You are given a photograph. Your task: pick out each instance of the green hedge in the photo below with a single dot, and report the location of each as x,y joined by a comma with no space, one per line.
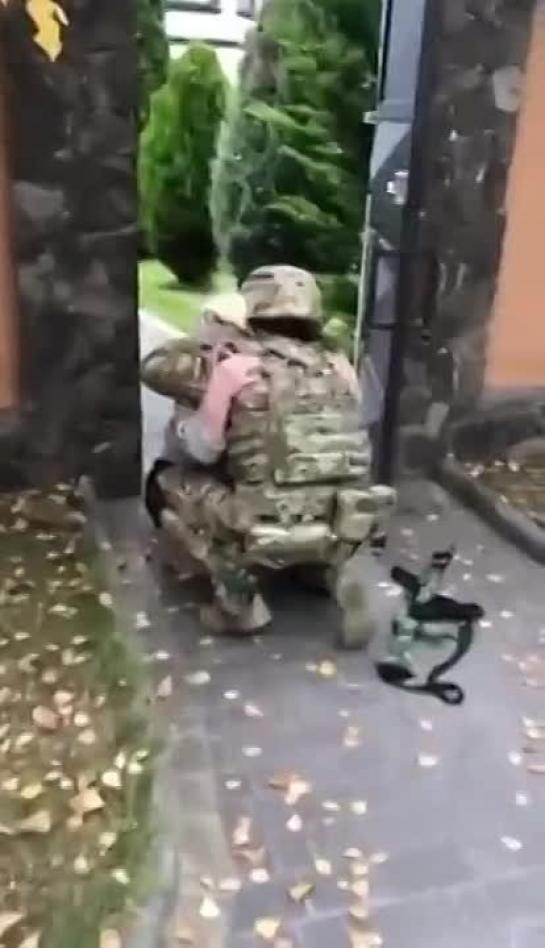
177,148
290,178
153,51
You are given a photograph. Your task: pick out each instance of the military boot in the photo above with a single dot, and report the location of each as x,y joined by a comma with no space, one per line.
358,623
253,618
173,548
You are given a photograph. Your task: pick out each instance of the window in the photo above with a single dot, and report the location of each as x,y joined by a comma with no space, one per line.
248,8
204,6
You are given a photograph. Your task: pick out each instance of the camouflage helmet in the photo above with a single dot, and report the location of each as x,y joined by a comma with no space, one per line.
281,294
226,308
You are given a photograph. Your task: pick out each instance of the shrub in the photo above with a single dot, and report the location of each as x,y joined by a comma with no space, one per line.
290,177
177,148
153,51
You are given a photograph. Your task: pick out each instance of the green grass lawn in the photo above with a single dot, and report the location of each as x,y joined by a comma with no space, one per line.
162,296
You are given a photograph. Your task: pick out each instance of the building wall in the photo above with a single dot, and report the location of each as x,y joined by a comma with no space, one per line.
479,57
73,196
516,356
224,29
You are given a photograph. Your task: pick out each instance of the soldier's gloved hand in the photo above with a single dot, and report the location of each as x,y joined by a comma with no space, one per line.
228,379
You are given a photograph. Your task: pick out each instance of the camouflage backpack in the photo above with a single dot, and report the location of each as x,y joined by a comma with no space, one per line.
300,459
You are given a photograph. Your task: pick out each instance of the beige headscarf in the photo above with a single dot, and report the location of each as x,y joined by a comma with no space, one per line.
226,309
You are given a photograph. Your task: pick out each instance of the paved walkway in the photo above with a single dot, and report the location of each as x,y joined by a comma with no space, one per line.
456,850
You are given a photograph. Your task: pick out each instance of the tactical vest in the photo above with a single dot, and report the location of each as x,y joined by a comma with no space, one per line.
300,459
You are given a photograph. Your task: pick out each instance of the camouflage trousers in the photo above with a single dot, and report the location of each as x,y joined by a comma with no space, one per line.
205,528
206,521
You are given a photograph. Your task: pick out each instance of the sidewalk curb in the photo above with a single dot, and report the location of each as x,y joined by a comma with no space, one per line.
509,523
176,860
155,322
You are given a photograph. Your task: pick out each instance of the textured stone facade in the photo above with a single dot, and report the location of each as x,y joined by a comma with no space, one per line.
72,149
476,78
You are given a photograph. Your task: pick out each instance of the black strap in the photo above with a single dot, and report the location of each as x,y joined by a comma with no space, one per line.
154,496
447,691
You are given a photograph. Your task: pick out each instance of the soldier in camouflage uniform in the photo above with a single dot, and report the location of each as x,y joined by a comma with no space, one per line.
283,463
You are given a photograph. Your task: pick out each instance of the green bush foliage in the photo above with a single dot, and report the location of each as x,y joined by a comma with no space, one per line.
153,51
291,173
177,148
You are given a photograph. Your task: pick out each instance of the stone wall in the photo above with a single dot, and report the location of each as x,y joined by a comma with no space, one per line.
72,144
478,58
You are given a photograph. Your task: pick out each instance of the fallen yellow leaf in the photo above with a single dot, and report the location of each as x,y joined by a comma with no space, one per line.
253,711
360,888
11,784
45,718
295,824
428,760
352,737
301,891
297,788
88,801
366,939
61,698
252,856
31,941
359,807
379,858
69,657
87,737
282,780
82,866
323,867
359,913
267,928
209,909
165,687
26,664
9,920
331,806
109,938
242,832
111,779
198,678
252,751
230,885
107,840
184,934
32,791
39,822
353,853
327,669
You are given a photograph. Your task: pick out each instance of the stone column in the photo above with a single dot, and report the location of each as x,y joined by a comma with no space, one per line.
8,339
479,58
74,195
